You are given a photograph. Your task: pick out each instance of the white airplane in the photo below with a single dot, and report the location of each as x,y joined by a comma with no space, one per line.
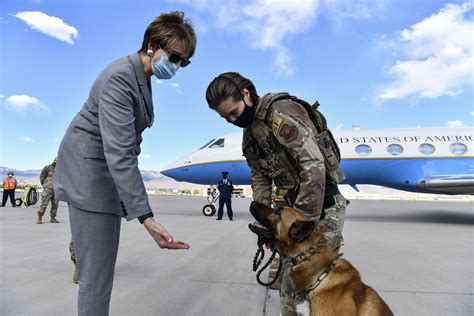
428,160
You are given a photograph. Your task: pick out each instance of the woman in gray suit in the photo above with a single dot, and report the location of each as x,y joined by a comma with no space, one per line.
97,168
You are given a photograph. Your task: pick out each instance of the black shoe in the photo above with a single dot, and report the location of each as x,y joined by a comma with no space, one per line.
218,219
230,219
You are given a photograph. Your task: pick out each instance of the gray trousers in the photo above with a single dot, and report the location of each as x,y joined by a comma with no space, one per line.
96,240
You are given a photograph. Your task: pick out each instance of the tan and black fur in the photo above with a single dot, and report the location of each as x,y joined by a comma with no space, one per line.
342,291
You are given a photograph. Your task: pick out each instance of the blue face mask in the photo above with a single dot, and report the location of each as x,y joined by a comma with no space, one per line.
163,68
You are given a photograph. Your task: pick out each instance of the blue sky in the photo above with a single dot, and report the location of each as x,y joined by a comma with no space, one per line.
377,64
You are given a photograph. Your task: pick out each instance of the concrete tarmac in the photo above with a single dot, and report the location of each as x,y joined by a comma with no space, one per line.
418,255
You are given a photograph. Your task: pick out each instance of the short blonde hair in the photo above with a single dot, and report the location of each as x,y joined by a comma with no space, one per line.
170,29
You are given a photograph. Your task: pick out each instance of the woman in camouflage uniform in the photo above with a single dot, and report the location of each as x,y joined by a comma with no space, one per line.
287,146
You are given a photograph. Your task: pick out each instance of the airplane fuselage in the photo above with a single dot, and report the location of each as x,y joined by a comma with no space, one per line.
425,160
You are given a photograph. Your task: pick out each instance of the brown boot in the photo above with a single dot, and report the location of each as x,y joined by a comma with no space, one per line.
53,220
40,219
74,277
275,286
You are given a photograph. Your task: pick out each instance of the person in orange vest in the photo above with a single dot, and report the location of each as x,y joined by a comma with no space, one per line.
9,186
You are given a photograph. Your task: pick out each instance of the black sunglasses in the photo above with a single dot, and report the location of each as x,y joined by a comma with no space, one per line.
175,58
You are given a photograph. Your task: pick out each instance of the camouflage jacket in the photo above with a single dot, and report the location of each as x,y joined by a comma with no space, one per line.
46,176
281,149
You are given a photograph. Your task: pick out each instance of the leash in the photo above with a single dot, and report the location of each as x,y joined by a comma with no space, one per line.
257,260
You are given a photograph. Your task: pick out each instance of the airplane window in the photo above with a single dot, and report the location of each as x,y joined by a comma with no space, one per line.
426,149
363,150
218,143
458,148
207,143
394,149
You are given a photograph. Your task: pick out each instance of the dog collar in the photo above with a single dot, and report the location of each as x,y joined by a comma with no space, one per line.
303,297
323,275
305,255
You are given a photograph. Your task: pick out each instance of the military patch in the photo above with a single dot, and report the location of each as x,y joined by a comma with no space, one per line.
288,132
276,124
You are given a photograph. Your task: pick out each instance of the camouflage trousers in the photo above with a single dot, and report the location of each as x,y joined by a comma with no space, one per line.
331,226
46,197
72,252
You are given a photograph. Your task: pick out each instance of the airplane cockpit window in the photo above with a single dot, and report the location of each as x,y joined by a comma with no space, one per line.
426,149
363,150
395,149
218,143
207,144
458,148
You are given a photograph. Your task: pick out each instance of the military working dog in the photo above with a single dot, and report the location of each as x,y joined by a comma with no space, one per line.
330,284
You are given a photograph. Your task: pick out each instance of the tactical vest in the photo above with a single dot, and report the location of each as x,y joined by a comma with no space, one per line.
265,154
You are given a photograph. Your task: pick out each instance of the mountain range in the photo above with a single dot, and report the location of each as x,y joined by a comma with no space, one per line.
152,179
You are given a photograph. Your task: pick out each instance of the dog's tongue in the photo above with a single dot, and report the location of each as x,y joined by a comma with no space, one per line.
257,224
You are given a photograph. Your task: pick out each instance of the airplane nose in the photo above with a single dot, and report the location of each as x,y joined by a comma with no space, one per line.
171,173
176,172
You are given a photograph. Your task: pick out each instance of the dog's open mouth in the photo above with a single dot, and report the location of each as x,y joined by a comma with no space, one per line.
260,230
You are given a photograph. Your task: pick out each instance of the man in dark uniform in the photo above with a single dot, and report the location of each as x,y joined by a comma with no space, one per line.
225,188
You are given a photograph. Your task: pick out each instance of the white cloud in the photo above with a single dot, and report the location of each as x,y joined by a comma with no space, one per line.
159,81
455,123
27,139
363,99
49,25
56,139
341,10
2,96
269,24
175,86
439,56
472,113
23,102
144,156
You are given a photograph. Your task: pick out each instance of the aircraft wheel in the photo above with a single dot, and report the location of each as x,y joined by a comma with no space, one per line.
18,202
209,210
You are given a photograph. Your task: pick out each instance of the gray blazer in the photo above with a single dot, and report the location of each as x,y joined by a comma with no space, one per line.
97,166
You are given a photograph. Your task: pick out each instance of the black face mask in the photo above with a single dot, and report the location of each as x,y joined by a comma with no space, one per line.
246,118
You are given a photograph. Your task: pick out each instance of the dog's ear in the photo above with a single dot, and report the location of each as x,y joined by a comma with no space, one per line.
255,206
301,230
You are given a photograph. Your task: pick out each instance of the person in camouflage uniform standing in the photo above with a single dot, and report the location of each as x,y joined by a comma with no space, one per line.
73,259
46,179
285,147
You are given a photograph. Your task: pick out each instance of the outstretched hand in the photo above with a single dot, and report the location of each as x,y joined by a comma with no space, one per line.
162,237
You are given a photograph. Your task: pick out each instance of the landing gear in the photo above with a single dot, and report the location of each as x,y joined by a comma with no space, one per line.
209,209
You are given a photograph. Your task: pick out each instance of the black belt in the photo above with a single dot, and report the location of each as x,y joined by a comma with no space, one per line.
330,191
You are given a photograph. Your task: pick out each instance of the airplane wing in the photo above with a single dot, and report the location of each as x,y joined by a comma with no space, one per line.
460,184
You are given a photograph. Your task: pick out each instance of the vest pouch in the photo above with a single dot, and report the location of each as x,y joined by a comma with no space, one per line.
328,148
251,152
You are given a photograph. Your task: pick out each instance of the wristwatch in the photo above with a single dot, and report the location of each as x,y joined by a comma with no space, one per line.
142,218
